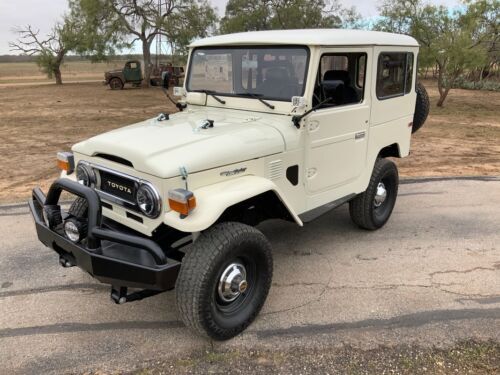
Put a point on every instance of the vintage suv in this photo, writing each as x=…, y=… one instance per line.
x=276, y=124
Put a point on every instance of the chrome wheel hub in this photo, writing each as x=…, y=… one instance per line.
x=380, y=195
x=232, y=282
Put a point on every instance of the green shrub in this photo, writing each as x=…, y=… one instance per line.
x=489, y=85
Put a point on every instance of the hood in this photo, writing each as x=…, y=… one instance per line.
x=116, y=71
x=160, y=148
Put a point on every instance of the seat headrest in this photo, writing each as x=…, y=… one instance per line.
x=335, y=75
x=277, y=74
x=332, y=85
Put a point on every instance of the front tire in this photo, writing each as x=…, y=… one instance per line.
x=224, y=280
x=79, y=208
x=116, y=84
x=372, y=209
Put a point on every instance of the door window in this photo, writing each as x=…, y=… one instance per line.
x=394, y=74
x=341, y=79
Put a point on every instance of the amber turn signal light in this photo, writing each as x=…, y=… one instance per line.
x=66, y=162
x=181, y=201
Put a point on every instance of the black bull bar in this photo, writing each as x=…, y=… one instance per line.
x=112, y=257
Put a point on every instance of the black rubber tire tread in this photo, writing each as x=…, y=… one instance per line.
x=120, y=87
x=422, y=107
x=361, y=207
x=199, y=265
x=79, y=207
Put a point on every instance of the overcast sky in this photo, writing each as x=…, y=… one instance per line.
x=42, y=14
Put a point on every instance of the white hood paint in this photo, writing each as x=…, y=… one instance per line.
x=160, y=148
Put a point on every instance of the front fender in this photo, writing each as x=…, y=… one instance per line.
x=213, y=200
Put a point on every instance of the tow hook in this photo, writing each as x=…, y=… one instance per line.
x=119, y=295
x=67, y=260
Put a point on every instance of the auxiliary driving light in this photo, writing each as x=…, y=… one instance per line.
x=182, y=201
x=75, y=230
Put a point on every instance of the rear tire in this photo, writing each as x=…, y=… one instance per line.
x=224, y=280
x=372, y=209
x=422, y=106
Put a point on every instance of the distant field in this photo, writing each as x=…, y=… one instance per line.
x=24, y=72
x=37, y=121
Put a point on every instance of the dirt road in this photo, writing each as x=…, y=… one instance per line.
x=431, y=277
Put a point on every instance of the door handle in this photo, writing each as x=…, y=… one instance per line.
x=359, y=135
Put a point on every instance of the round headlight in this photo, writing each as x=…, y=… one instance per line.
x=85, y=175
x=148, y=201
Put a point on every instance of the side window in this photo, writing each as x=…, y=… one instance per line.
x=133, y=65
x=409, y=72
x=361, y=71
x=341, y=79
x=394, y=74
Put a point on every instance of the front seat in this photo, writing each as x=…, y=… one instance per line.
x=276, y=82
x=349, y=95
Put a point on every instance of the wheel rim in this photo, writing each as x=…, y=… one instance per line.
x=380, y=195
x=115, y=84
x=232, y=282
x=235, y=286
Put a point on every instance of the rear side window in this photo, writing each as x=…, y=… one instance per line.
x=394, y=74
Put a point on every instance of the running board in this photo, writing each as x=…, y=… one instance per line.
x=321, y=210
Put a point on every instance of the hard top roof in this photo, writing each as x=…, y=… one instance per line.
x=323, y=37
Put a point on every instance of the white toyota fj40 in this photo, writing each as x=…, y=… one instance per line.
x=276, y=124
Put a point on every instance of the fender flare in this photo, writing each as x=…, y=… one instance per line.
x=213, y=200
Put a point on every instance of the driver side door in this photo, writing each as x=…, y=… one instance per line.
x=336, y=133
x=132, y=71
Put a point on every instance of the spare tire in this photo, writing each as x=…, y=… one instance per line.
x=422, y=106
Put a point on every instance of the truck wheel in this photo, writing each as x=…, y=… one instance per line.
x=224, y=280
x=79, y=207
x=422, y=106
x=371, y=209
x=115, y=84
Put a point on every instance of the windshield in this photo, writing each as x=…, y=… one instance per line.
x=266, y=72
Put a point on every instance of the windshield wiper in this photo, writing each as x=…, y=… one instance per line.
x=212, y=94
x=256, y=96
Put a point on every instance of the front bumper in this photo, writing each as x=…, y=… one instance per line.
x=112, y=257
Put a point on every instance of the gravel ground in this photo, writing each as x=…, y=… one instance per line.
x=468, y=357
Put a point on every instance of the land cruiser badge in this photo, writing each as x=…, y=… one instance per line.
x=233, y=172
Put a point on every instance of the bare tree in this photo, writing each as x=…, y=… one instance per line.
x=49, y=50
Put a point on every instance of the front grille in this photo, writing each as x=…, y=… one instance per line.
x=117, y=186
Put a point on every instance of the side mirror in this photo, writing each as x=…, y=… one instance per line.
x=196, y=98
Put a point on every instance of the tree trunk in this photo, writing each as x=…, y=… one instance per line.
x=443, y=91
x=57, y=66
x=57, y=75
x=442, y=97
x=146, y=54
